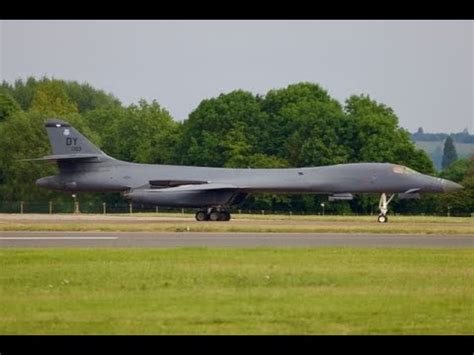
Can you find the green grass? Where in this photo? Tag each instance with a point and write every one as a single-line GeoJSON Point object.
{"type": "Point", "coordinates": [315, 218]}
{"type": "Point", "coordinates": [257, 224]}
{"type": "Point", "coordinates": [214, 227]}
{"type": "Point", "coordinates": [237, 291]}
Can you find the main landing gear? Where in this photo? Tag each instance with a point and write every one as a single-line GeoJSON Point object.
{"type": "Point", "coordinates": [383, 206]}
{"type": "Point", "coordinates": [213, 214]}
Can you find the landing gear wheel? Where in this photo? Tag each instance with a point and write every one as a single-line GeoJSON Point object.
{"type": "Point", "coordinates": [226, 216]}
{"type": "Point", "coordinates": [201, 216]}
{"type": "Point", "coordinates": [214, 216]}
{"type": "Point", "coordinates": [383, 219]}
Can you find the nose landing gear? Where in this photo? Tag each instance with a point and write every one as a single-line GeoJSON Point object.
{"type": "Point", "coordinates": [213, 214]}
{"type": "Point", "coordinates": [383, 206]}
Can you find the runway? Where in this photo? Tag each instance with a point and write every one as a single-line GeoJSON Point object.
{"type": "Point", "coordinates": [19, 239]}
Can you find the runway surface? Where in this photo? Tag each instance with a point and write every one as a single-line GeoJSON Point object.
{"type": "Point", "coordinates": [189, 239]}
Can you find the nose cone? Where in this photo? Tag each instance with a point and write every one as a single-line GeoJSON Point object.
{"type": "Point", "coordinates": [449, 186]}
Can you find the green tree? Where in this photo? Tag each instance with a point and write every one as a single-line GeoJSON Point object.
{"type": "Point", "coordinates": [449, 153]}
{"type": "Point", "coordinates": [8, 105]}
{"type": "Point", "coordinates": [144, 133]}
{"type": "Point", "coordinates": [88, 98]}
{"type": "Point", "coordinates": [260, 160]}
{"type": "Point", "coordinates": [51, 99]}
{"type": "Point", "coordinates": [22, 91]}
{"type": "Point", "coordinates": [457, 170]}
{"type": "Point", "coordinates": [305, 126]}
{"type": "Point", "coordinates": [462, 201]}
{"type": "Point", "coordinates": [23, 136]}
{"type": "Point", "coordinates": [83, 95]}
{"type": "Point", "coordinates": [101, 120]}
{"type": "Point", "coordinates": [236, 147]}
{"type": "Point", "coordinates": [376, 137]}
{"type": "Point", "coordinates": [222, 129]}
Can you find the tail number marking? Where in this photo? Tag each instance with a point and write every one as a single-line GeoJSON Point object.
{"type": "Point", "coordinates": [73, 142]}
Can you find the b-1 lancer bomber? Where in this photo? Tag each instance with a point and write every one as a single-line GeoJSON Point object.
{"type": "Point", "coordinates": [84, 167]}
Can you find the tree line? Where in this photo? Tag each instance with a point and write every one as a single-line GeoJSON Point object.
{"type": "Point", "coordinates": [300, 125]}
{"type": "Point", "coordinates": [460, 137]}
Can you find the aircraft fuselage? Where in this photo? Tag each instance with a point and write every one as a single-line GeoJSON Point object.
{"type": "Point", "coordinates": [115, 175]}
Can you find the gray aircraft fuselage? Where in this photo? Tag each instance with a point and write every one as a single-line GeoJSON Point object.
{"type": "Point", "coordinates": [84, 167]}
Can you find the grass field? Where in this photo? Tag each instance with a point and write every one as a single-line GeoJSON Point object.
{"type": "Point", "coordinates": [241, 223]}
{"type": "Point", "coordinates": [237, 291]}
{"type": "Point", "coordinates": [316, 218]}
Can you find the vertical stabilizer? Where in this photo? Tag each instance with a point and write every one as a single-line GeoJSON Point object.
{"type": "Point", "coordinates": [66, 140]}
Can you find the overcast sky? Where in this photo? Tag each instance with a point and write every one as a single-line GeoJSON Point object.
{"type": "Point", "coordinates": [422, 69]}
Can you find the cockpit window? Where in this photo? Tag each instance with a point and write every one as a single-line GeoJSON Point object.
{"type": "Point", "coordinates": [400, 169]}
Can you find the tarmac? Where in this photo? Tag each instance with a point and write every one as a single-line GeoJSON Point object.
{"type": "Point", "coordinates": [20, 239]}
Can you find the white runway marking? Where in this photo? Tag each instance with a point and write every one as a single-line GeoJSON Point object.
{"type": "Point", "coordinates": [177, 239]}
{"type": "Point", "coordinates": [58, 238]}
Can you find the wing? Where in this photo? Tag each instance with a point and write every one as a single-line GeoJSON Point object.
{"type": "Point", "coordinates": [173, 183]}
{"type": "Point", "coordinates": [200, 194]}
{"type": "Point", "coordinates": [201, 186]}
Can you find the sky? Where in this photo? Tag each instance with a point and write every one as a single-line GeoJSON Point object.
{"type": "Point", "coordinates": [424, 70]}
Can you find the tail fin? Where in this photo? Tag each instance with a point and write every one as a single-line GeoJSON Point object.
{"type": "Point", "coordinates": [66, 140]}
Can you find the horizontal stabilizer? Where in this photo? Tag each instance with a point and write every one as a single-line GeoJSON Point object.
{"type": "Point", "coordinates": [63, 157]}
